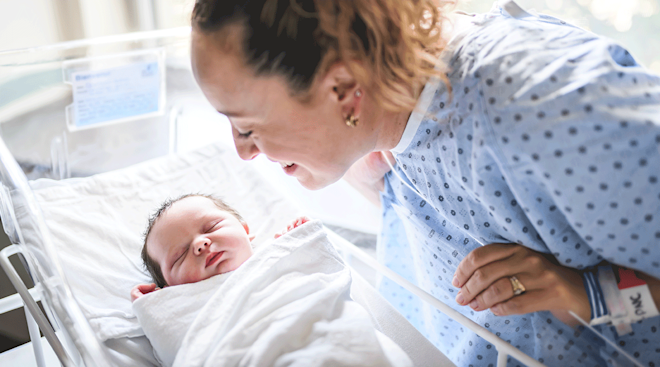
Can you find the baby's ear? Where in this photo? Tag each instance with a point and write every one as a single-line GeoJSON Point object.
{"type": "Point", "coordinates": [247, 230]}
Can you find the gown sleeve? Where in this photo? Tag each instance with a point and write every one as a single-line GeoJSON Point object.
{"type": "Point", "coordinates": [576, 121]}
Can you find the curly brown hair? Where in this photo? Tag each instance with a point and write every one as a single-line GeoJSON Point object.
{"type": "Point", "coordinates": [149, 263]}
{"type": "Point", "coordinates": [390, 46]}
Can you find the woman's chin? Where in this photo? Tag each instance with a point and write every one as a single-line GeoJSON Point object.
{"type": "Point", "coordinates": [314, 183]}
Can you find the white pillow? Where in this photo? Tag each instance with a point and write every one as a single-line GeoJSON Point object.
{"type": "Point", "coordinates": [97, 223]}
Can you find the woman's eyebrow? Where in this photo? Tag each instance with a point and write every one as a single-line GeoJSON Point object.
{"type": "Point", "coordinates": [231, 113]}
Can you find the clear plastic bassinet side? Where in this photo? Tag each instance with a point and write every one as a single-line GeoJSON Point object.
{"type": "Point", "coordinates": [85, 107]}
{"type": "Point", "coordinates": [48, 129]}
{"type": "Point", "coordinates": [24, 226]}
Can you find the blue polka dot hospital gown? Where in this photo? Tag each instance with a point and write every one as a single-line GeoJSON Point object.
{"type": "Point", "coordinates": [550, 139]}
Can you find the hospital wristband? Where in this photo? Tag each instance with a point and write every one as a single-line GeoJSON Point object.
{"type": "Point", "coordinates": [595, 295]}
{"type": "Point", "coordinates": [636, 295]}
{"type": "Point", "coordinates": [618, 297]}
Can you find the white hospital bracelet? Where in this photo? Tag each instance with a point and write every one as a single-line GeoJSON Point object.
{"type": "Point", "coordinates": [628, 300]}
{"type": "Point", "coordinates": [618, 314]}
{"type": "Point", "coordinates": [636, 295]}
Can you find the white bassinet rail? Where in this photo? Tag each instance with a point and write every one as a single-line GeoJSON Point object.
{"type": "Point", "coordinates": [504, 349]}
{"type": "Point", "coordinates": [36, 320]}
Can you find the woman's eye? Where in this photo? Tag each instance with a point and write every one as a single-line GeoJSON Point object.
{"type": "Point", "coordinates": [245, 135]}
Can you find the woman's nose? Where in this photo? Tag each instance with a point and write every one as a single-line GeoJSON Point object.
{"type": "Point", "coordinates": [246, 149]}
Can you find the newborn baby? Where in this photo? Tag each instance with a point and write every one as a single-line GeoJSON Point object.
{"type": "Point", "coordinates": [193, 238]}
{"type": "Point", "coordinates": [287, 304]}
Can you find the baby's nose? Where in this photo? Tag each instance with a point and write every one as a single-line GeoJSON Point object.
{"type": "Point", "coordinates": [201, 247]}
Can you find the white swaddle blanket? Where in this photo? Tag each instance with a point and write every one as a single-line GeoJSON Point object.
{"type": "Point", "coordinates": [288, 305]}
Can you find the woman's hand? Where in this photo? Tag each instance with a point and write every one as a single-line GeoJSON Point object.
{"type": "Point", "coordinates": [142, 289]}
{"type": "Point", "coordinates": [484, 278]}
{"type": "Point", "coordinates": [366, 175]}
{"type": "Point", "coordinates": [295, 223]}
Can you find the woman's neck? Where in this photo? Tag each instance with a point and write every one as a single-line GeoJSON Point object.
{"type": "Point", "coordinates": [392, 128]}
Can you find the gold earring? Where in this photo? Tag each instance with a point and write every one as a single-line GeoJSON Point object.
{"type": "Point", "coordinates": [351, 120]}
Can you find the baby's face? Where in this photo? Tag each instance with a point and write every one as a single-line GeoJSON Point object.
{"type": "Point", "coordinates": [194, 240]}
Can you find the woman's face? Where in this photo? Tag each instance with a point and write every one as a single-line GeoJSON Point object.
{"type": "Point", "coordinates": [310, 140]}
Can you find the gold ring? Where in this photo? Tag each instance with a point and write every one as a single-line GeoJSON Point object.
{"type": "Point", "coordinates": [518, 287]}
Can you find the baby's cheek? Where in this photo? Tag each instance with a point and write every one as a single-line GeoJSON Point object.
{"type": "Point", "coordinates": [191, 276]}
{"type": "Point", "coordinates": [245, 253]}
{"type": "Point", "coordinates": [237, 259]}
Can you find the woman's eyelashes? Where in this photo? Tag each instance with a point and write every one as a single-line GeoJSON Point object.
{"type": "Point", "coordinates": [245, 135]}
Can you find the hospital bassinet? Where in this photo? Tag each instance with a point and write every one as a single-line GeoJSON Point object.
{"type": "Point", "coordinates": [59, 120]}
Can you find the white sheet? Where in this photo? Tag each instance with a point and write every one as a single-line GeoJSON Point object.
{"type": "Point", "coordinates": [288, 305]}
{"type": "Point", "coordinates": [97, 223]}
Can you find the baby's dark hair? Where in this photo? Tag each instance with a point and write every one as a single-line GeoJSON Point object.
{"type": "Point", "coordinates": [152, 266]}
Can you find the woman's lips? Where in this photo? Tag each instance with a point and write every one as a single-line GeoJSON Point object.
{"type": "Point", "coordinates": [213, 258]}
{"type": "Point", "coordinates": [289, 170]}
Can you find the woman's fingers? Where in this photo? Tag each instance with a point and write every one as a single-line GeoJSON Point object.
{"type": "Point", "coordinates": [497, 292]}
{"type": "Point", "coordinates": [486, 276]}
{"type": "Point", "coordinates": [528, 302]}
{"type": "Point", "coordinates": [479, 258]}
{"type": "Point", "coordinates": [489, 268]}
{"type": "Point", "coordinates": [485, 280]}
{"type": "Point", "coordinates": [501, 291]}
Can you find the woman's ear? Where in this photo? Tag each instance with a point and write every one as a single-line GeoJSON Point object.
{"type": "Point", "coordinates": [341, 87]}
{"type": "Point", "coordinates": [341, 80]}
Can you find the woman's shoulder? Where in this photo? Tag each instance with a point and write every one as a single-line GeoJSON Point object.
{"type": "Point", "coordinates": [498, 42]}
{"type": "Point", "coordinates": [533, 67]}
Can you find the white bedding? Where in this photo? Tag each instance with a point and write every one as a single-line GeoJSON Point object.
{"type": "Point", "coordinates": [288, 305]}
{"type": "Point", "coordinates": [96, 225]}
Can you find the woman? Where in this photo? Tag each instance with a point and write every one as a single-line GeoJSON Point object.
{"type": "Point", "coordinates": [529, 135]}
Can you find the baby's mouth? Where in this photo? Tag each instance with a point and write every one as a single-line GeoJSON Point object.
{"type": "Point", "coordinates": [286, 164]}
{"type": "Point", "coordinates": [213, 257]}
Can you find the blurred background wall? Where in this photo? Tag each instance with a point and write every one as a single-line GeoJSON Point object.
{"type": "Point", "coordinates": [29, 23]}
